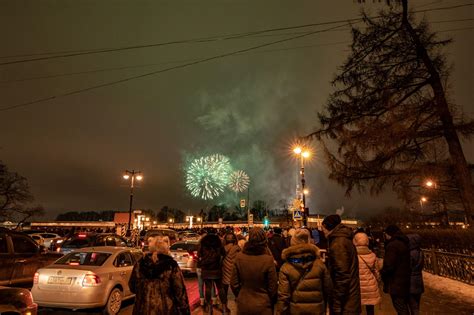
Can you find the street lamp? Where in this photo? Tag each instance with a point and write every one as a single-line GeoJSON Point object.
{"type": "Point", "coordinates": [422, 201]}
{"type": "Point", "coordinates": [132, 176]}
{"type": "Point", "coordinates": [303, 153]}
{"type": "Point", "coordinates": [430, 184]}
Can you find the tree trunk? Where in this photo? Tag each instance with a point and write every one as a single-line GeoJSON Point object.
{"type": "Point", "coordinates": [463, 174]}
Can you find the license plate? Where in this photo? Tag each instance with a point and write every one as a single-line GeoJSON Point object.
{"type": "Point", "coordinates": [59, 280]}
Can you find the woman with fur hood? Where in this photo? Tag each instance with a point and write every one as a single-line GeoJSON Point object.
{"type": "Point", "coordinates": [304, 282]}
{"type": "Point", "coordinates": [158, 282]}
{"type": "Point", "coordinates": [368, 273]}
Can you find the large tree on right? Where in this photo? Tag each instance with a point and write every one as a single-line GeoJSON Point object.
{"type": "Point", "coordinates": [390, 120]}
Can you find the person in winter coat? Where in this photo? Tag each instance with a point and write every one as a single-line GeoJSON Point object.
{"type": "Point", "coordinates": [416, 280]}
{"type": "Point", "coordinates": [210, 257]}
{"type": "Point", "coordinates": [304, 282]}
{"type": "Point", "coordinates": [343, 266]}
{"type": "Point", "coordinates": [254, 278]}
{"type": "Point", "coordinates": [231, 250]}
{"type": "Point", "coordinates": [158, 283]}
{"type": "Point", "coordinates": [396, 269]}
{"type": "Point", "coordinates": [368, 273]}
{"type": "Point", "coordinates": [277, 244]}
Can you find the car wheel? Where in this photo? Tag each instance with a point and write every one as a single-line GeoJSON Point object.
{"type": "Point", "coordinates": [114, 302]}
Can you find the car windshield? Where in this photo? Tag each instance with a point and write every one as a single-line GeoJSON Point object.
{"type": "Point", "coordinates": [190, 247]}
{"type": "Point", "coordinates": [76, 243]}
{"type": "Point", "coordinates": [83, 259]}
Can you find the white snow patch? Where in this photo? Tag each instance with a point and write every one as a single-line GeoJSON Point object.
{"type": "Point", "coordinates": [456, 289]}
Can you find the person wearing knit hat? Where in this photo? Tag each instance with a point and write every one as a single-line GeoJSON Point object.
{"type": "Point", "coordinates": [254, 277]}
{"type": "Point", "coordinates": [304, 281]}
{"type": "Point", "coordinates": [396, 270]}
{"type": "Point", "coordinates": [343, 265]}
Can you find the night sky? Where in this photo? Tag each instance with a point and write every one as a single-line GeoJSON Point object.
{"type": "Point", "coordinates": [249, 107]}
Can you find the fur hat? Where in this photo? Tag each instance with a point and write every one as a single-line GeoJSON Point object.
{"type": "Point", "coordinates": [301, 237]}
{"type": "Point", "coordinates": [331, 221]}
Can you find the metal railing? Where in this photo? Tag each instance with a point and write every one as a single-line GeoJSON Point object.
{"type": "Point", "coordinates": [455, 266]}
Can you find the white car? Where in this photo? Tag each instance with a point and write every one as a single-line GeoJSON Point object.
{"type": "Point", "coordinates": [87, 278]}
{"type": "Point", "coordinates": [48, 238]}
{"type": "Point", "coordinates": [38, 239]}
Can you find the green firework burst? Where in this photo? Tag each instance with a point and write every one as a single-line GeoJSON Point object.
{"type": "Point", "coordinates": [208, 176]}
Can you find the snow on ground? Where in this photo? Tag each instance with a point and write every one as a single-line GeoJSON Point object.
{"type": "Point", "coordinates": [456, 289]}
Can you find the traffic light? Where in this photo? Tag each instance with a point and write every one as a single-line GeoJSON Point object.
{"type": "Point", "coordinates": [266, 222]}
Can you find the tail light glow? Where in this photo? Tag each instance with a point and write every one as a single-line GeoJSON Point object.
{"type": "Point", "coordinates": [91, 280]}
{"type": "Point", "coordinates": [36, 278]}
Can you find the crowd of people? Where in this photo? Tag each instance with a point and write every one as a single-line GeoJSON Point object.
{"type": "Point", "coordinates": [283, 272]}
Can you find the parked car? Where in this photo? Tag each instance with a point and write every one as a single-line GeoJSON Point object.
{"type": "Point", "coordinates": [188, 236]}
{"type": "Point", "coordinates": [48, 238]}
{"type": "Point", "coordinates": [38, 239]}
{"type": "Point", "coordinates": [185, 254]}
{"type": "Point", "coordinates": [20, 257]}
{"type": "Point", "coordinates": [87, 278]}
{"type": "Point", "coordinates": [17, 301]}
{"type": "Point", "coordinates": [172, 235]}
{"type": "Point", "coordinates": [83, 240]}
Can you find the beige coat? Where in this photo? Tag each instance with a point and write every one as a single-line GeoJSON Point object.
{"type": "Point", "coordinates": [369, 288]}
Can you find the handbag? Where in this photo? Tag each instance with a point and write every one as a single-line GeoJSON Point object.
{"type": "Point", "coordinates": [373, 270]}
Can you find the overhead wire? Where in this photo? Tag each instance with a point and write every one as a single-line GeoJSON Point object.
{"type": "Point", "coordinates": [71, 53]}
{"type": "Point", "coordinates": [193, 59]}
{"type": "Point", "coordinates": [163, 63]}
{"type": "Point", "coordinates": [184, 65]}
{"type": "Point", "coordinates": [110, 83]}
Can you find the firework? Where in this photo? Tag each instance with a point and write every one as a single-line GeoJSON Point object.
{"type": "Point", "coordinates": [208, 176]}
{"type": "Point", "coordinates": [239, 181]}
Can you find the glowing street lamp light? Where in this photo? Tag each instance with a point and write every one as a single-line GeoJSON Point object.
{"type": "Point", "coordinates": [424, 199]}
{"type": "Point", "coordinates": [297, 150]}
{"type": "Point", "coordinates": [132, 176]}
{"type": "Point", "coordinates": [430, 184]}
{"type": "Point", "coordinates": [306, 191]}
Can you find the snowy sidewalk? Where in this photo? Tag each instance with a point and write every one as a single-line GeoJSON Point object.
{"type": "Point", "coordinates": [442, 297]}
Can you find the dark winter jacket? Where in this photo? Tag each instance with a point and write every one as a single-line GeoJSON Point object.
{"type": "Point", "coordinates": [159, 287]}
{"type": "Point", "coordinates": [344, 269]}
{"type": "Point", "coordinates": [416, 264]}
{"type": "Point", "coordinates": [304, 282]}
{"type": "Point", "coordinates": [396, 269]}
{"type": "Point", "coordinates": [254, 281]}
{"type": "Point", "coordinates": [231, 251]}
{"type": "Point", "coordinates": [277, 244]}
{"type": "Point", "coordinates": [210, 257]}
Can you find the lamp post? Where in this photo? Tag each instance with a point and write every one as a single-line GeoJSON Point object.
{"type": "Point", "coordinates": [430, 184]}
{"type": "Point", "coordinates": [132, 176]}
{"type": "Point", "coordinates": [303, 154]}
